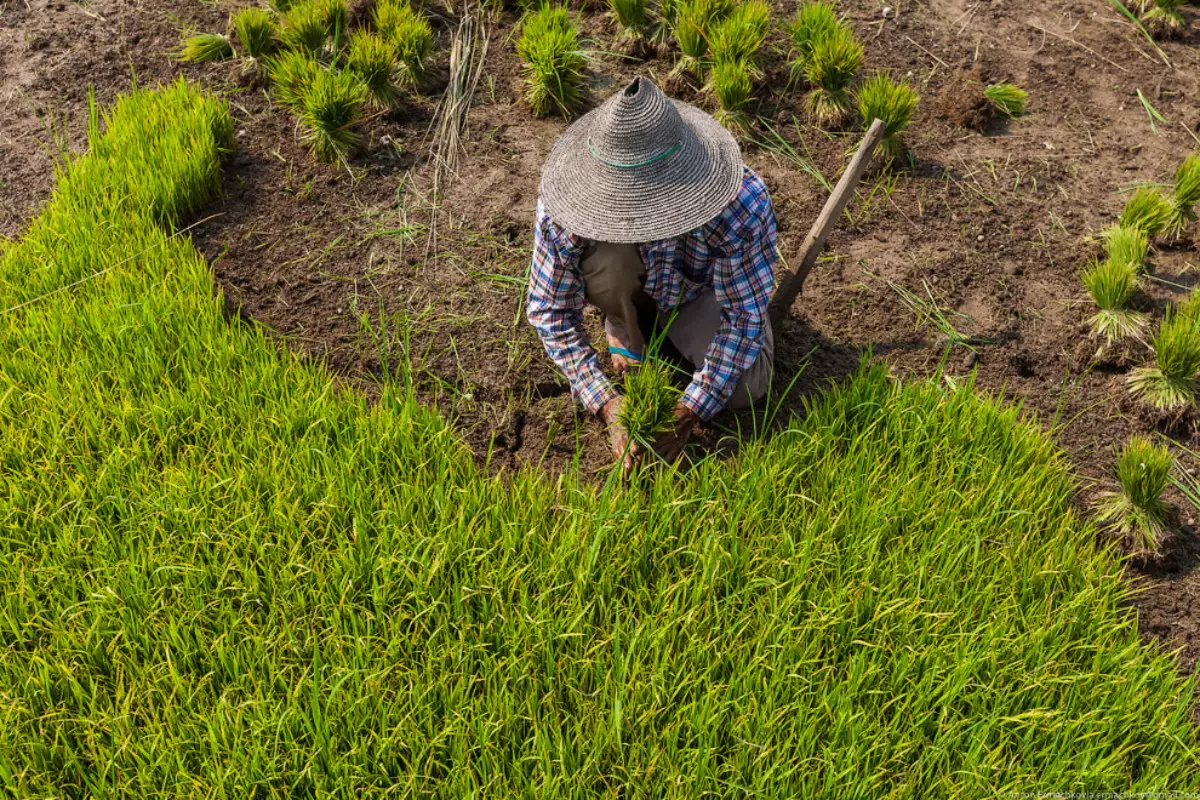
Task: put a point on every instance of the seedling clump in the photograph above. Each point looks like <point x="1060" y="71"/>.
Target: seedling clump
<point x="410" y="34"/>
<point x="1137" y="511"/>
<point x="256" y="31"/>
<point x="292" y="73"/>
<point x="814" y="22"/>
<point x="650" y="399"/>
<point x="552" y="63"/>
<point x="1171" y="383"/>
<point x="630" y="16"/>
<point x="1163" y="17"/>
<point x="1112" y="284"/>
<point x="1127" y="246"/>
<point x="739" y="37"/>
<point x="831" y="67"/>
<point x="1008" y="99"/>
<point x="694" y="23"/>
<point x="333" y="104"/>
<point x="1148" y="210"/>
<point x="305" y="26"/>
<point x="731" y="84"/>
<point x="206" y="47"/>
<point x="881" y="98"/>
<point x="1185" y="196"/>
<point x="373" y="59"/>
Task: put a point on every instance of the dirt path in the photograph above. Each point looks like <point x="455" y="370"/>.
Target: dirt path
<point x="994" y="226"/>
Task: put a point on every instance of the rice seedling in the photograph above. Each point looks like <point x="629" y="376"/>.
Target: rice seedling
<point x="256" y="31"/>
<point x="1171" y="383"/>
<point x="333" y="105"/>
<point x="1127" y="246"/>
<point x="304" y="26"/>
<point x="1008" y="99"/>
<point x="1164" y="17"/>
<point x="1137" y="511"/>
<point x="1185" y="195"/>
<point x="1148" y="210"/>
<point x="373" y="59"/>
<point x="831" y="68"/>
<point x="730" y="82"/>
<point x="1112" y="284"/>
<point x="695" y="21"/>
<point x="410" y="33"/>
<point x="552" y="63"/>
<point x="1190" y="308"/>
<point x="739" y="37"/>
<point x="814" y="22"/>
<point x="292" y="73"/>
<point x="468" y="55"/>
<point x="206" y="47"/>
<point x="630" y="15"/>
<point x="881" y="98"/>
<point x="651" y="395"/>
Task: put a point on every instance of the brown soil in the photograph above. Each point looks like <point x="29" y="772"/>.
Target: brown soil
<point x="993" y="226"/>
<point x="962" y="100"/>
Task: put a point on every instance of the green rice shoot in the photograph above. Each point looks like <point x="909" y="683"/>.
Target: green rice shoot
<point x="651" y="395"/>
<point x="551" y="61"/>
<point x="1127" y="245"/>
<point x="1137" y="512"/>
<point x="1007" y="98"/>
<point x="814" y="22"/>
<point x="1164" y="17"/>
<point x="731" y="84"/>
<point x="206" y="47"/>
<point x="1185" y="195"/>
<point x="411" y="35"/>
<point x="1148" y="210"/>
<point x="305" y="26"/>
<point x="695" y="21"/>
<point x="739" y="37"/>
<point x="1112" y="285"/>
<point x="373" y="59"/>
<point x="256" y="31"/>
<point x="1170" y="384"/>
<point x="292" y="72"/>
<point x="880" y="97"/>
<point x="333" y="105"/>
<point x="631" y="16"/>
<point x="831" y="68"/>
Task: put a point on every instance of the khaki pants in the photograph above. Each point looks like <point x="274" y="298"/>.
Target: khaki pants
<point x="613" y="277"/>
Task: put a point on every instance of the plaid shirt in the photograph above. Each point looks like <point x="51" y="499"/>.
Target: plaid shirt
<point x="734" y="254"/>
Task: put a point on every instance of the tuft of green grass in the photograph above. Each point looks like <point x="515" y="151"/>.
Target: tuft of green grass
<point x="373" y="59"/>
<point x="552" y="62"/>
<point x="256" y="31"/>
<point x="831" y="68"/>
<point x="308" y="25"/>
<point x="880" y="97"/>
<point x="814" y="22"/>
<point x="206" y="47"/>
<point x="410" y="33"/>
<point x="1164" y="17"/>
<point x="630" y="15"/>
<point x="1148" y="210"/>
<point x="1008" y="99"/>
<point x="292" y="73"/>
<point x="1137" y="511"/>
<point x="1171" y="383"/>
<point x="1127" y="246"/>
<point x="739" y="37"/>
<point x="1112" y="285"/>
<point x="333" y="106"/>
<point x="1185" y="195"/>
<point x="695" y="21"/>
<point x="651" y="395"/>
<point x="730" y="83"/>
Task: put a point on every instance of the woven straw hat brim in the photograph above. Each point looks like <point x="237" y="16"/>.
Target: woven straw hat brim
<point x="661" y="200"/>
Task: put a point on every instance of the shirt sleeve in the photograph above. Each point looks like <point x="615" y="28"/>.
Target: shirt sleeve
<point x="555" y="309"/>
<point x="743" y="279"/>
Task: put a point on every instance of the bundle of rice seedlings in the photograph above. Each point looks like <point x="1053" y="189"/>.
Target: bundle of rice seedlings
<point x="1127" y="246"/>
<point x="333" y="105"/>
<point x="292" y="73"/>
<point x="650" y="399"/>
<point x="410" y="33"/>
<point x="1007" y="98"/>
<point x="206" y="47"/>
<point x="880" y="97"/>
<point x="730" y="82"/>
<point x="1111" y="284"/>
<point x="1148" y="210"/>
<point x="1164" y="17"/>
<point x="552" y="63"/>
<point x="630" y="16"/>
<point x="1137" y="511"/>
<point x="256" y="31"/>
<point x="305" y="26"/>
<point x="830" y="70"/>
<point x="694" y="24"/>
<point x="814" y="22"/>
<point x="1185" y="195"/>
<point x="373" y="59"/>
<point x="739" y="36"/>
<point x="1171" y="383"/>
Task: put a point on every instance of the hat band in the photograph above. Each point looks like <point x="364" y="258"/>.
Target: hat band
<point x="619" y="165"/>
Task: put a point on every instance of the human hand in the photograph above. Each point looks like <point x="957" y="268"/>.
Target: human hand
<point x="625" y="451"/>
<point x="669" y="444"/>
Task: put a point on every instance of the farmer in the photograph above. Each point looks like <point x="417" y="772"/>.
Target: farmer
<point x="647" y="212"/>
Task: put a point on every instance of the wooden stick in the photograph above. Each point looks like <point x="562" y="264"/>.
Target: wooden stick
<point x="792" y="282"/>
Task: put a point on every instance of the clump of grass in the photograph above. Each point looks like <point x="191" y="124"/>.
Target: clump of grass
<point x="303" y="27"/>
<point x="730" y="82"/>
<point x="694" y="23"/>
<point x="880" y="97"/>
<point x="292" y="73"/>
<point x="552" y="63"/>
<point x="256" y="31"/>
<point x="1185" y="195"/>
<point x="1007" y="98"/>
<point x="1112" y="284"/>
<point x="333" y="105"/>
<point x="650" y="399"/>
<point x="410" y="33"/>
<point x="1171" y="383"/>
<point x="1127" y="245"/>
<point x="1148" y="210"/>
<point x="814" y="22"/>
<point x="1137" y="511"/>
<point x="373" y="59"/>
<point x="1164" y="17"/>
<point x="206" y="47"/>
<point x="739" y="37"/>
<point x="830" y="70"/>
<point x="630" y="16"/>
